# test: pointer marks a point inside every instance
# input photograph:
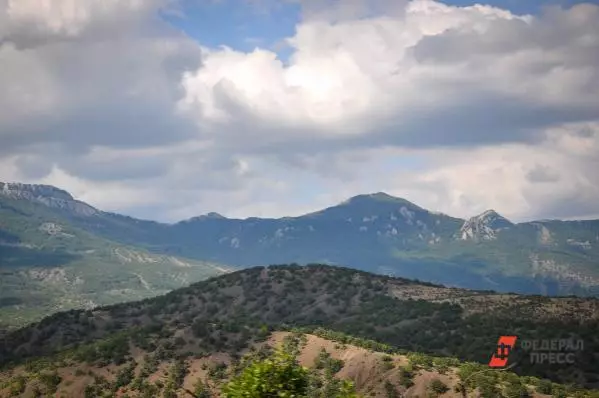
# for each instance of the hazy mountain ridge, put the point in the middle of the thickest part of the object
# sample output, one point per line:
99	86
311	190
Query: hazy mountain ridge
48	264
378	232
385	234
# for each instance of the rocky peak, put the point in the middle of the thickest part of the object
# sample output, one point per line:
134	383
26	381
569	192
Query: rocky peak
211	215
208	216
18	190
47	195
484	226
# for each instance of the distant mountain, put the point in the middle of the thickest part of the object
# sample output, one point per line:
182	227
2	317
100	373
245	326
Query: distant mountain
484	226
375	232
48	264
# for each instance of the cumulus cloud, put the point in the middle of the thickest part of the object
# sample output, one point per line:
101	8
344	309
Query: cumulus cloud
458	109
438	75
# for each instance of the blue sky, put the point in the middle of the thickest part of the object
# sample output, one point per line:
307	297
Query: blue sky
237	24
242	25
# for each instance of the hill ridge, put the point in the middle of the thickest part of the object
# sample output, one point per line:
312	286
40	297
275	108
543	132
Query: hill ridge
224	313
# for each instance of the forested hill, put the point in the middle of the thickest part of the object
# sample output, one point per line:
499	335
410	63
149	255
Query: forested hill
227	312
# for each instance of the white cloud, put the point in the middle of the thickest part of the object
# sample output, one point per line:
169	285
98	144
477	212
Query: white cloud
458	109
436	75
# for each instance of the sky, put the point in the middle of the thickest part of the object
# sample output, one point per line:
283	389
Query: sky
168	109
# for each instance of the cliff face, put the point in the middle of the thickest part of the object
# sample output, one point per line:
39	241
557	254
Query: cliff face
484	226
47	195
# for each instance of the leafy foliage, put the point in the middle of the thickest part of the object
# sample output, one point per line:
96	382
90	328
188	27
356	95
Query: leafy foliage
280	375
438	387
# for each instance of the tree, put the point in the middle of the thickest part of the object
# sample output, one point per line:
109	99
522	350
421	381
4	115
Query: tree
278	376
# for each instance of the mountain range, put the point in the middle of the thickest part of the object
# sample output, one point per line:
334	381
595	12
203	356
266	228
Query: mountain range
57	252
49	264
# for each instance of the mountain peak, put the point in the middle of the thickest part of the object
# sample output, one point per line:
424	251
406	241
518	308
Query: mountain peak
17	190
495	218
212	214
380	197
484	226
369	205
208	216
47	195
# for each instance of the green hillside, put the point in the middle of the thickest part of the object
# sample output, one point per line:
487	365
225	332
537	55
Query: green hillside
383	234
48	264
226	313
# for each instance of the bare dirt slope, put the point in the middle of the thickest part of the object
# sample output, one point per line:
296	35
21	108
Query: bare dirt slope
374	374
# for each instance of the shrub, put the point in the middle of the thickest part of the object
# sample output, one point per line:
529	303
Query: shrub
405	377
200	390
280	375
516	390
438	387
544	387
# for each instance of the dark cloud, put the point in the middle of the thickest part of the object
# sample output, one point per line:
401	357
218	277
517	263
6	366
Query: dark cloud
542	173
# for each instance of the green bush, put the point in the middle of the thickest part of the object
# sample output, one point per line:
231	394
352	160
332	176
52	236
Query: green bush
200	390
218	371
50	381
405	377
516	390
330	365
438	387
280	376
124	376
544	387
17	385
420	360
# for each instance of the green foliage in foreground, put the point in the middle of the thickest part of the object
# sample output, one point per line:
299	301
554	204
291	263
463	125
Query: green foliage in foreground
280	375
